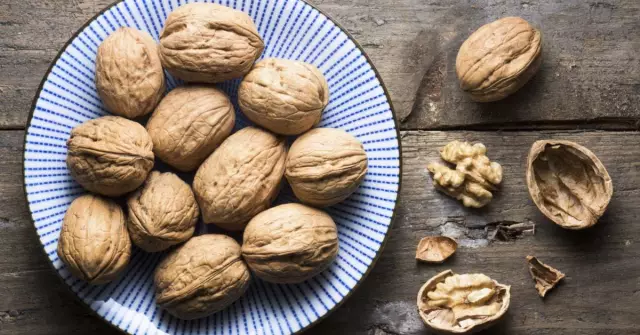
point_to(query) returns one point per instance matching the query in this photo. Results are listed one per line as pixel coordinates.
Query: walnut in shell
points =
(129, 76)
(545, 276)
(201, 277)
(568, 183)
(189, 124)
(435, 249)
(325, 166)
(241, 178)
(284, 96)
(290, 243)
(94, 243)
(163, 212)
(109, 155)
(204, 42)
(462, 304)
(498, 59)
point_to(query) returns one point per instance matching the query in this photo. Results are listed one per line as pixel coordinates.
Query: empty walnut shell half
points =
(568, 183)
(462, 304)
(435, 249)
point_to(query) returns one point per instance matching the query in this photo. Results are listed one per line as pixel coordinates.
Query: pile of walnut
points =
(237, 176)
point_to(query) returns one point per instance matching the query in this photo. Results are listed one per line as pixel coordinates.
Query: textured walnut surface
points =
(189, 124)
(203, 42)
(435, 249)
(201, 277)
(544, 275)
(284, 96)
(290, 243)
(109, 155)
(94, 243)
(129, 76)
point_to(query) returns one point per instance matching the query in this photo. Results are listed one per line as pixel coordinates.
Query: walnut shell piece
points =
(189, 124)
(284, 96)
(568, 183)
(241, 178)
(163, 212)
(109, 155)
(290, 243)
(325, 166)
(201, 277)
(435, 249)
(498, 59)
(450, 303)
(94, 243)
(545, 276)
(210, 43)
(129, 76)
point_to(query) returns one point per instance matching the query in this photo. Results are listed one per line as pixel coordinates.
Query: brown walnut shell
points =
(290, 243)
(568, 183)
(325, 166)
(109, 155)
(129, 76)
(284, 96)
(201, 277)
(241, 178)
(435, 249)
(544, 275)
(210, 43)
(163, 212)
(94, 243)
(189, 124)
(499, 58)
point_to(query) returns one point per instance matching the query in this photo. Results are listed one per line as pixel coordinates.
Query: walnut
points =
(94, 243)
(325, 166)
(545, 276)
(284, 96)
(201, 277)
(109, 155)
(162, 213)
(462, 304)
(290, 243)
(129, 76)
(241, 178)
(568, 183)
(498, 59)
(203, 42)
(435, 249)
(474, 178)
(189, 124)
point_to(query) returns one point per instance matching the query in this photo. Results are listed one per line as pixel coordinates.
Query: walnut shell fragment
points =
(498, 59)
(462, 304)
(435, 249)
(545, 276)
(568, 183)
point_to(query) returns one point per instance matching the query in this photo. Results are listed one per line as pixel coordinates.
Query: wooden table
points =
(588, 91)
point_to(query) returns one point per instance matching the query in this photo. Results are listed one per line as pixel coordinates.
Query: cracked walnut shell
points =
(435, 249)
(94, 243)
(129, 76)
(284, 96)
(210, 43)
(462, 304)
(290, 243)
(545, 276)
(568, 183)
(201, 277)
(498, 59)
(109, 155)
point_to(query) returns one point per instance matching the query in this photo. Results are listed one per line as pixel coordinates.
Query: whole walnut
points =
(189, 124)
(284, 96)
(201, 277)
(203, 42)
(325, 166)
(241, 178)
(94, 243)
(109, 155)
(498, 59)
(290, 243)
(163, 212)
(129, 76)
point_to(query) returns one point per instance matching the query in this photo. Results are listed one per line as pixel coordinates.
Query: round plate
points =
(359, 104)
